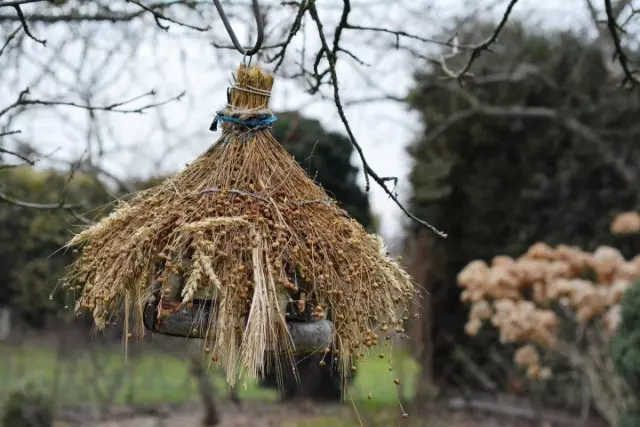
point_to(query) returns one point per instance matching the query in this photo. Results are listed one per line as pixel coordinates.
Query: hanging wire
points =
(232, 34)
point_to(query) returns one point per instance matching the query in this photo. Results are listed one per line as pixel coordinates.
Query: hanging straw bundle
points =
(242, 223)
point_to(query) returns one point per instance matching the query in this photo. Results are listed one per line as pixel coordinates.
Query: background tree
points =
(625, 348)
(30, 239)
(539, 146)
(326, 157)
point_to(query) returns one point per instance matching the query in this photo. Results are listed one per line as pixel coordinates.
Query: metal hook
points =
(234, 39)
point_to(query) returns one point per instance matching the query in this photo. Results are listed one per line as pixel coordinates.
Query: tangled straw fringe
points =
(244, 226)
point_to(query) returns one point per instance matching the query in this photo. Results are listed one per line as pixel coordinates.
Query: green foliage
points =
(31, 258)
(30, 239)
(326, 157)
(498, 183)
(86, 377)
(630, 418)
(625, 347)
(28, 406)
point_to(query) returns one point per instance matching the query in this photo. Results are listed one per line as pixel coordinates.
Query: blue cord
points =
(264, 121)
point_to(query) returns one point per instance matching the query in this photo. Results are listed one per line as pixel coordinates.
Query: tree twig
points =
(159, 17)
(368, 171)
(71, 208)
(115, 107)
(23, 21)
(10, 37)
(13, 153)
(626, 172)
(630, 75)
(477, 49)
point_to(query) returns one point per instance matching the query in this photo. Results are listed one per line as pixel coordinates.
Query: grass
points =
(153, 378)
(92, 378)
(376, 418)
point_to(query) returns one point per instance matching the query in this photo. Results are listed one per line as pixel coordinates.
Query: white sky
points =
(383, 129)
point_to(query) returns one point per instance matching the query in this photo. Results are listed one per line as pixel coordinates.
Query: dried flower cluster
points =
(626, 223)
(517, 295)
(245, 226)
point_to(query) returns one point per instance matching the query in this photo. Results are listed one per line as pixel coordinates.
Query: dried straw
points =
(240, 223)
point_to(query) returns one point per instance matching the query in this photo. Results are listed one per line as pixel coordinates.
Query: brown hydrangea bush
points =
(558, 303)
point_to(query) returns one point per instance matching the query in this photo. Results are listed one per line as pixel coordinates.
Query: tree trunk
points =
(5, 323)
(205, 388)
(420, 326)
(234, 396)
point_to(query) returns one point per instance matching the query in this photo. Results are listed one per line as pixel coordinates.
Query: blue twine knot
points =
(261, 121)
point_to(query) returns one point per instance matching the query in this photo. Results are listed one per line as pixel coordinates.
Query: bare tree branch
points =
(631, 75)
(477, 49)
(17, 3)
(114, 107)
(316, 67)
(10, 37)
(105, 13)
(71, 208)
(628, 173)
(10, 132)
(159, 17)
(18, 155)
(369, 172)
(73, 212)
(295, 27)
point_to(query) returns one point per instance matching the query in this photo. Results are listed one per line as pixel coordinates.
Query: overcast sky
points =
(176, 61)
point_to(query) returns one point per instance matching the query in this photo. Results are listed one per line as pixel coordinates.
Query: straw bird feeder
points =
(247, 229)
(244, 228)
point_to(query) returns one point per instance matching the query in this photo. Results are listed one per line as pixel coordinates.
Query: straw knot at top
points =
(251, 89)
(247, 102)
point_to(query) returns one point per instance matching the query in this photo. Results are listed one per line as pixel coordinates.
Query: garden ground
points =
(96, 387)
(275, 415)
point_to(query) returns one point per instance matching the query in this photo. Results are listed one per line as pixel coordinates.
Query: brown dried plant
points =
(517, 295)
(240, 223)
(560, 301)
(626, 223)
